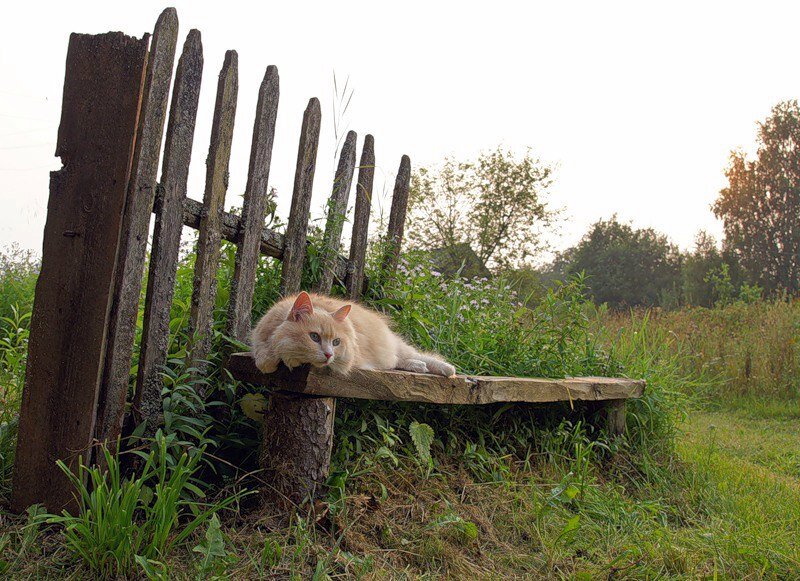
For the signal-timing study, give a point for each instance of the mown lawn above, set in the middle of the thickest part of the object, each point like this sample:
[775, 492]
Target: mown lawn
[748, 456]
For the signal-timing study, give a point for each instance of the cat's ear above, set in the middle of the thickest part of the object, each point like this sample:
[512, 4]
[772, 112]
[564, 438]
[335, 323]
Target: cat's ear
[342, 313]
[302, 307]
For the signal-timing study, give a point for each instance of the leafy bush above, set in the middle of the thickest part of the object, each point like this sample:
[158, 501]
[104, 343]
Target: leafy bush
[483, 327]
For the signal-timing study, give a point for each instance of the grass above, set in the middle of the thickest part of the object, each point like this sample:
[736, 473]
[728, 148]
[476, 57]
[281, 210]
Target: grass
[751, 466]
[767, 435]
[749, 349]
[701, 486]
[123, 524]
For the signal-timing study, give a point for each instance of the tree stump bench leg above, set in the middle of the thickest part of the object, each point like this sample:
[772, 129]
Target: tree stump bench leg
[612, 415]
[296, 447]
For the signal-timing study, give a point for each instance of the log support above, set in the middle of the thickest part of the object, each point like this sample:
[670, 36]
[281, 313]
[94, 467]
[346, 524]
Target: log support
[610, 414]
[296, 447]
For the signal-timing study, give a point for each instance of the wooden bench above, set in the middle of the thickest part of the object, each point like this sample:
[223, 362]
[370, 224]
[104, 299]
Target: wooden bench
[82, 342]
[302, 441]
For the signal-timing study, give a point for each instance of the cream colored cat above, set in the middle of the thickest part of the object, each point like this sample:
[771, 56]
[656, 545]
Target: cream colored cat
[327, 332]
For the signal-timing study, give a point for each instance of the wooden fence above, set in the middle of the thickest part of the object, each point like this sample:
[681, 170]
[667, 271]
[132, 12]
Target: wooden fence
[116, 102]
[82, 340]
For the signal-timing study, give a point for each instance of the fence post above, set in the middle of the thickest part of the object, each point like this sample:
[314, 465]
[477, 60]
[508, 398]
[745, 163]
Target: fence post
[147, 405]
[397, 217]
[337, 213]
[294, 250]
[102, 92]
[136, 224]
[358, 242]
[204, 292]
[254, 208]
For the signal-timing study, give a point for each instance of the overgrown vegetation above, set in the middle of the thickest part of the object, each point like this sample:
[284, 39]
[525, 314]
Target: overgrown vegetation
[421, 490]
[743, 349]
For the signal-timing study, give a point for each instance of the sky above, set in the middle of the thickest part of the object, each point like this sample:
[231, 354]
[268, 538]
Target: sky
[637, 104]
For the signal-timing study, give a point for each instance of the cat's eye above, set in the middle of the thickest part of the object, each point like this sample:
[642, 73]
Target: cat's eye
[315, 337]
[336, 342]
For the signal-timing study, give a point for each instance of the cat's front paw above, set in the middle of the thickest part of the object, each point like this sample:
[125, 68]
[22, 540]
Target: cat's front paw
[266, 363]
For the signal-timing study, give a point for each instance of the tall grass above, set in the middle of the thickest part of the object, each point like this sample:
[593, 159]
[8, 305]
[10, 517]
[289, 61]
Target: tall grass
[743, 349]
[123, 524]
[556, 485]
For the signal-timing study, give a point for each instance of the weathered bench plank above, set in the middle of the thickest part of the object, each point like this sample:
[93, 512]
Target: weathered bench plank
[460, 389]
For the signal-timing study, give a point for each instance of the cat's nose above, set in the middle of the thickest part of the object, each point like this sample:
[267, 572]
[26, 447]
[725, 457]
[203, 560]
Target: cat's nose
[328, 355]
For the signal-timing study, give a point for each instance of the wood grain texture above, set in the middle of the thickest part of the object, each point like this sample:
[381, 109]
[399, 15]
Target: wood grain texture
[204, 292]
[397, 216]
[254, 208]
[460, 389]
[294, 250]
[337, 213]
[358, 242]
[147, 404]
[100, 108]
[136, 226]
[296, 451]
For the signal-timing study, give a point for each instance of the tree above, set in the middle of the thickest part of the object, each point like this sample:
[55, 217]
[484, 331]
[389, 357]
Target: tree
[494, 204]
[626, 267]
[696, 268]
[760, 207]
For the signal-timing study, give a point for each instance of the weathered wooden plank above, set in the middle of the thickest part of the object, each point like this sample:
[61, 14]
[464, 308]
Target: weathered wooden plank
[271, 243]
[100, 107]
[397, 217]
[147, 404]
[337, 213]
[254, 207]
[204, 292]
[294, 249]
[459, 389]
[358, 243]
[136, 226]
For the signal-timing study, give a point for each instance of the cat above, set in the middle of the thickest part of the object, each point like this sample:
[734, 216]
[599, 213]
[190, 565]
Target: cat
[328, 332]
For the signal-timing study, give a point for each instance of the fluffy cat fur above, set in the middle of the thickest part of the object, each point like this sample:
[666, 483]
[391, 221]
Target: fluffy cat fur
[327, 332]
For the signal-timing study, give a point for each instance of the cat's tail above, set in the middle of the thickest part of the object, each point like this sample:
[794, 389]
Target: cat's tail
[410, 359]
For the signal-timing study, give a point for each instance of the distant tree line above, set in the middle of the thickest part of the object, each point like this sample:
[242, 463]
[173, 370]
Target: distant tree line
[490, 214]
[639, 267]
